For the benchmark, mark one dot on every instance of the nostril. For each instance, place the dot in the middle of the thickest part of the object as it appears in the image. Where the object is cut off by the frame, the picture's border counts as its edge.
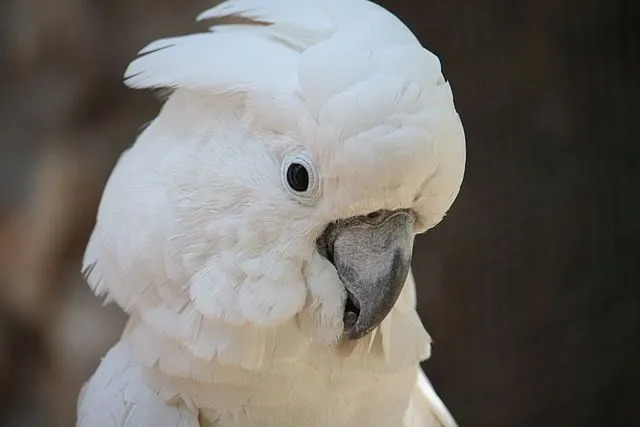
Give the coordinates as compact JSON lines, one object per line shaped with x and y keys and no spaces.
{"x":375,"y":218}
{"x":374,"y":215}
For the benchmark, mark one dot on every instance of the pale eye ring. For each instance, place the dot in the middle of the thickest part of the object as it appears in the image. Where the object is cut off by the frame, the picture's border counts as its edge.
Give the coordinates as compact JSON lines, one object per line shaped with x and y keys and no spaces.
{"x":300,"y":176}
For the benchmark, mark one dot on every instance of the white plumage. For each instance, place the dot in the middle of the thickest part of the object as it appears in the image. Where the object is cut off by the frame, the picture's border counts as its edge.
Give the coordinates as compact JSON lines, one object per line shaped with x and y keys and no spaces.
{"x":236,"y":320}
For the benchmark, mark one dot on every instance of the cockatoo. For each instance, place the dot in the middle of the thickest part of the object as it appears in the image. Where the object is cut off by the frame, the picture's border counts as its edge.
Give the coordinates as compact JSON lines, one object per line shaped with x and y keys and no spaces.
{"x":259,"y":233}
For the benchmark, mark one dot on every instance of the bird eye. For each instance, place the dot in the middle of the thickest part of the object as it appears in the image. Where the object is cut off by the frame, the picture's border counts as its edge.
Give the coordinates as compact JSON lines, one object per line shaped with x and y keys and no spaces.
{"x":299,"y":176}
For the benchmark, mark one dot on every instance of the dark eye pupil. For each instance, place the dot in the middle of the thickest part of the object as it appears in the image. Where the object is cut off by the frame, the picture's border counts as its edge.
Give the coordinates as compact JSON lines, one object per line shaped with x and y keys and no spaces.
{"x":298,"y":177}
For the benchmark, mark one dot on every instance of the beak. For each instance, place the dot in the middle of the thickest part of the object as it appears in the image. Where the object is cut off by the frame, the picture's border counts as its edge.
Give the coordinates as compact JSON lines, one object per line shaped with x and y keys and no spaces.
{"x":372,"y":255}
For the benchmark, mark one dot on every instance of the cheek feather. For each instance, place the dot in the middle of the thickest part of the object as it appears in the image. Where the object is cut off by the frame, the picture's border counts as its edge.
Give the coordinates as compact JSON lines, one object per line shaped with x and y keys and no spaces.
{"x":323,"y":313}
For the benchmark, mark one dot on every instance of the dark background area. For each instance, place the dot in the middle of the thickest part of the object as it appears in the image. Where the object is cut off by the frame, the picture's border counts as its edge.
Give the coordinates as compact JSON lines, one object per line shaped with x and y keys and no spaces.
{"x":530,"y":287}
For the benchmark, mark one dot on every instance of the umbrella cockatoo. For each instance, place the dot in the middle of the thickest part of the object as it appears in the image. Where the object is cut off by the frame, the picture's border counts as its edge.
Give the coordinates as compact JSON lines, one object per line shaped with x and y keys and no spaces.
{"x":259,"y":232}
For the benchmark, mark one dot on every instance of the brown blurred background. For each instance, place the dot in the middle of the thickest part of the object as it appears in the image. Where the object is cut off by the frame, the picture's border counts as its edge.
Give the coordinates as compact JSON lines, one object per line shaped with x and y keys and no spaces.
{"x":530,"y":287}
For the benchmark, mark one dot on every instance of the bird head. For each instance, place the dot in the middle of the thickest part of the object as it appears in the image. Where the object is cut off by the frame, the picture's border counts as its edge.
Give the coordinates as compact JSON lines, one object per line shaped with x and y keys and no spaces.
{"x":297,"y":155}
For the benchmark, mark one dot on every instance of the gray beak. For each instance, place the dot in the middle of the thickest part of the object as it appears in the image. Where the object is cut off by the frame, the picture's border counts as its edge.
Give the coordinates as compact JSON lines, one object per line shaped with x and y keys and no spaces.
{"x":372,"y":255}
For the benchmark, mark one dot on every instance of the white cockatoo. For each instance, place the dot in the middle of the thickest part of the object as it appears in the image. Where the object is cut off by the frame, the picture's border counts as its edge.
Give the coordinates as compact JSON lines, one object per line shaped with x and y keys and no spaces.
{"x":259,"y":232}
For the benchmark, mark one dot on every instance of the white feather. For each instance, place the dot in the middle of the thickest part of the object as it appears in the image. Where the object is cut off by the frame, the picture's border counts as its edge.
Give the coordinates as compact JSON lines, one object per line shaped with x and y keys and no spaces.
{"x":126,"y":400}
{"x":299,"y":14}
{"x":425,"y":407}
{"x":211,"y":62}
{"x":235,"y":317}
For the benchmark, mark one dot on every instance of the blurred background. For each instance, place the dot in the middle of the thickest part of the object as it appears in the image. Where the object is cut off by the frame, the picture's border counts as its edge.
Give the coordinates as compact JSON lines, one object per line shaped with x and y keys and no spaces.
{"x":530,"y":287}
